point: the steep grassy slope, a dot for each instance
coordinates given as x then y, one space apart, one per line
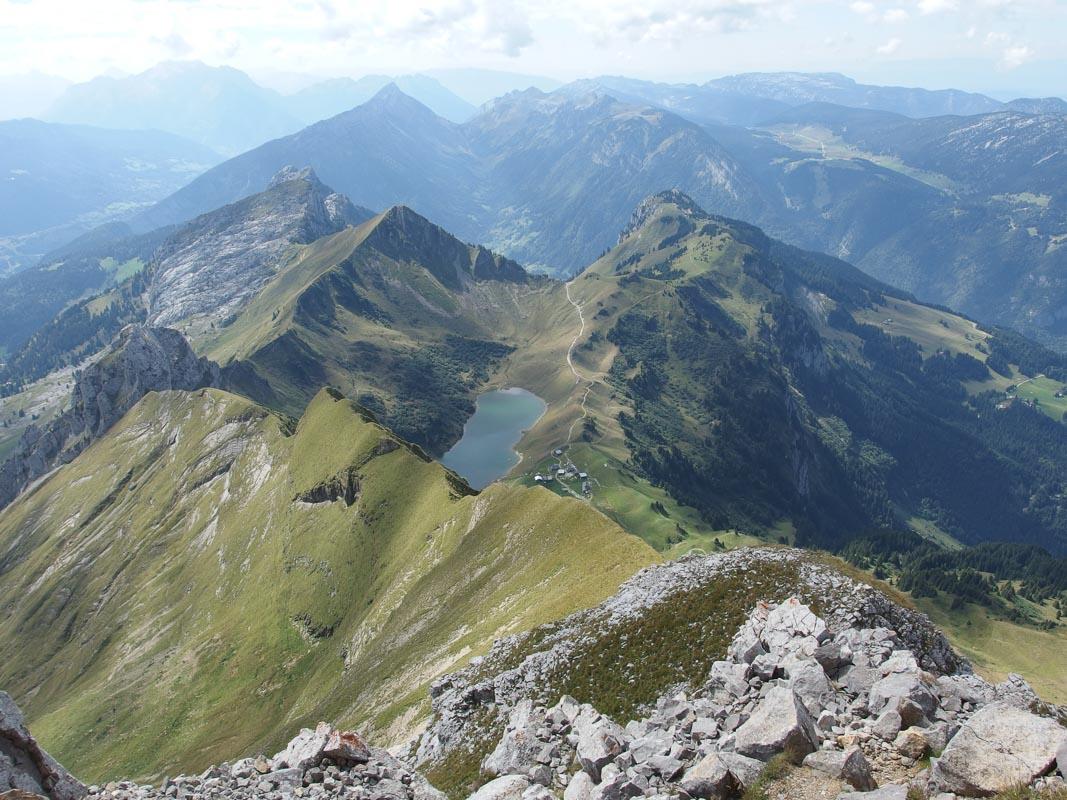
209 576
746 378
399 313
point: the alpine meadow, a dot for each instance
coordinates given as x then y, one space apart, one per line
484 400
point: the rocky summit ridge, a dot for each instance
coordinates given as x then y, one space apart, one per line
863 700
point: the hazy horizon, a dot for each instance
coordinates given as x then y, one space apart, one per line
1005 48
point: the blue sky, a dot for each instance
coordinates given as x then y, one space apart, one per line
1006 46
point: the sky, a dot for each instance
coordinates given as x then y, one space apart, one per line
1007 47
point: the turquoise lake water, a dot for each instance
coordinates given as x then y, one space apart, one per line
487 450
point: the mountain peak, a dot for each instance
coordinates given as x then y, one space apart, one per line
291 173
651 205
391 97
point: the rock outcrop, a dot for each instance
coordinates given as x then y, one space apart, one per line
323 762
141 360
24 766
860 696
762 704
1000 747
215 264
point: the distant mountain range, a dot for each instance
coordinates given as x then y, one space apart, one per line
790 385
798 88
223 108
548 178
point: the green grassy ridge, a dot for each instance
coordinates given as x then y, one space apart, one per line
754 383
184 608
398 313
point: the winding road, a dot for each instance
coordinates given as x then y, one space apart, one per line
570 360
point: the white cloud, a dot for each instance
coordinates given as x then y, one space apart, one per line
661 39
889 47
1015 56
937 6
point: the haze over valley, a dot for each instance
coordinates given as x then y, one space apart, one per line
468 401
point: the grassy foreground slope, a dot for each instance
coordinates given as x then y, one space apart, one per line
209 576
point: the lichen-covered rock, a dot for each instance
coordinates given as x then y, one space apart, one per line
780 724
892 792
1001 746
519 748
710 779
599 741
506 787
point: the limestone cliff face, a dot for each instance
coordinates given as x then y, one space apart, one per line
218 262
141 360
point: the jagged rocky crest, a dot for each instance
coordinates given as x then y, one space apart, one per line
141 359
867 700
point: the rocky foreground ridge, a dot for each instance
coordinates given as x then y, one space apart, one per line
863 700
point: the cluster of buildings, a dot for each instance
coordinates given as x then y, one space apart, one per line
563 470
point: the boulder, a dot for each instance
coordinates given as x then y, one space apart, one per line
710 779
537 792
887 726
999 747
386 789
25 766
346 747
912 743
811 685
518 749
667 767
599 742
306 748
506 787
1061 759
744 769
579 788
792 626
654 743
850 766
729 680
285 780
895 687
616 787
779 724
831 657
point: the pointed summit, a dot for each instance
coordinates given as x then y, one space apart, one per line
653 204
391 100
291 173
406 236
